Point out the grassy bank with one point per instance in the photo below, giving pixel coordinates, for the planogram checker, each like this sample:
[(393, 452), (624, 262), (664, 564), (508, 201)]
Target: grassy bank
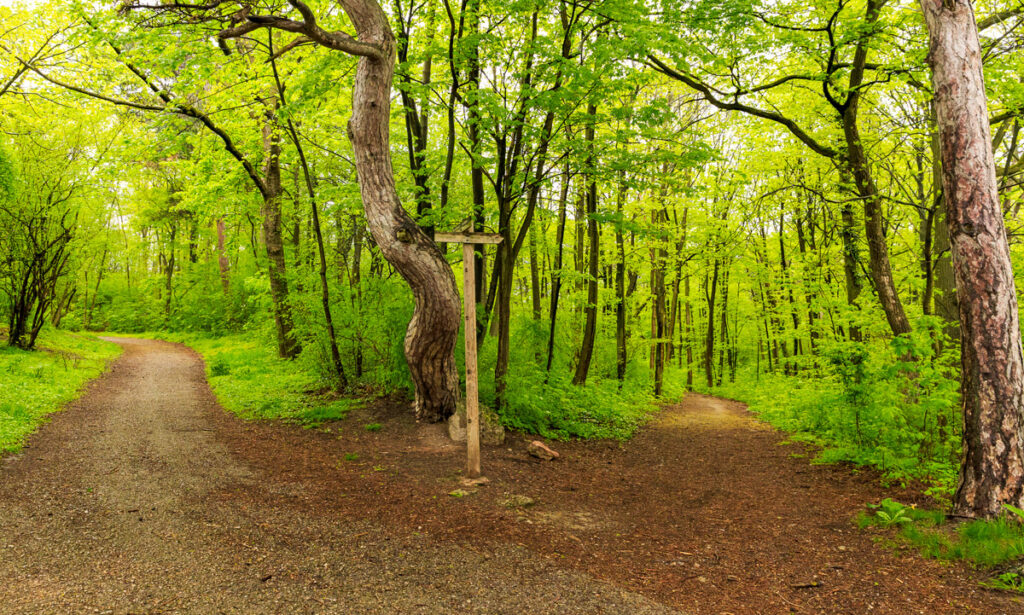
[(996, 545), (34, 384), (251, 382)]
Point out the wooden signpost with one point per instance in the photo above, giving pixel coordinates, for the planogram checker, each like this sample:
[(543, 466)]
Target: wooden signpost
[(468, 240)]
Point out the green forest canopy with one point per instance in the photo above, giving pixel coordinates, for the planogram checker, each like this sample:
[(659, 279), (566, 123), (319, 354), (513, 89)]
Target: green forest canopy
[(679, 193)]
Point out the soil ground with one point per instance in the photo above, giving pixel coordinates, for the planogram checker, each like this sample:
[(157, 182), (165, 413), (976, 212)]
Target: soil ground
[(145, 496)]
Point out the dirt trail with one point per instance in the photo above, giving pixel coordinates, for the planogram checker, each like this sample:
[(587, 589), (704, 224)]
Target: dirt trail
[(123, 505), (146, 497)]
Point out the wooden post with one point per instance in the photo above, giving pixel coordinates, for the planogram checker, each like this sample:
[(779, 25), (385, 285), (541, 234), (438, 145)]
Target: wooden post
[(472, 390), (469, 291)]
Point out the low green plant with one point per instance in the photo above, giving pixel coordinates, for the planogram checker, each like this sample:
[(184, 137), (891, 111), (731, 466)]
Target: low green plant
[(890, 513), (373, 427), (34, 384), (988, 544), (889, 405), (251, 381), (1012, 581)]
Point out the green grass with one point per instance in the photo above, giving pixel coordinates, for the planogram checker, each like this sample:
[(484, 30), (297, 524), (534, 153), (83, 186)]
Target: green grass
[(251, 382), (988, 544), (34, 384)]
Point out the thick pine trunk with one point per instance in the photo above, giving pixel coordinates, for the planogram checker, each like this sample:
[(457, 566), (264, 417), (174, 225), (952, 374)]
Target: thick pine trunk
[(992, 388), (433, 330)]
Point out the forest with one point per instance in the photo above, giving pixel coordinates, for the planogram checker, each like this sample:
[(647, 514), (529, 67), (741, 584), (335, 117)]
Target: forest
[(805, 206)]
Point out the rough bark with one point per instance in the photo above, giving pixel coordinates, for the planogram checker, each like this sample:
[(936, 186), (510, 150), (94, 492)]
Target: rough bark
[(432, 332), (992, 386), (287, 346)]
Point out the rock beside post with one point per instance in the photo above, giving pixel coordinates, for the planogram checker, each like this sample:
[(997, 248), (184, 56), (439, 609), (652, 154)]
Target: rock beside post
[(492, 432)]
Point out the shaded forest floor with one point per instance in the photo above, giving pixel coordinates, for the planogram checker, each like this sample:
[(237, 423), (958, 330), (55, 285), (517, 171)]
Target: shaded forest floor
[(145, 496)]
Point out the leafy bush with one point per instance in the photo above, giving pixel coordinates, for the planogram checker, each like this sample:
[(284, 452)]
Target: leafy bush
[(891, 406)]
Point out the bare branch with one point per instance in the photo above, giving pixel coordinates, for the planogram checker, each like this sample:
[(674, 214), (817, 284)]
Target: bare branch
[(704, 89)]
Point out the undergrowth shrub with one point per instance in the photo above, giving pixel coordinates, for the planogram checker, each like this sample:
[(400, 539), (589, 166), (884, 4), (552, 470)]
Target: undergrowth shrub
[(988, 544), (893, 406)]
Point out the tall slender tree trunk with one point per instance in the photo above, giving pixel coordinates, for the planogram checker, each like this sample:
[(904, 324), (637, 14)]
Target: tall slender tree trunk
[(878, 249), (534, 275), (556, 268), (223, 264), (169, 271), (620, 287), (590, 326), (687, 335), (945, 282), (992, 389), (287, 345), (851, 260), (710, 290), (356, 284)]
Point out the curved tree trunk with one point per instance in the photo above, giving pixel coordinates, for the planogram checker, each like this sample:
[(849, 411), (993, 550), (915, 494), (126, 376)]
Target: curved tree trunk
[(992, 386), (433, 330)]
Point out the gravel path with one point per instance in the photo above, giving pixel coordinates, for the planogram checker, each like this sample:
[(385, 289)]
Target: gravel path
[(117, 506)]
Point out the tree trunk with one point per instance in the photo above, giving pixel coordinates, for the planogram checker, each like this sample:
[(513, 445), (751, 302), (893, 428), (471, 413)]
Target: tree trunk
[(878, 249), (556, 268), (710, 288), (688, 332), (169, 272), (287, 345), (356, 284), (325, 295), (590, 326), (945, 282), (223, 264), (534, 275), (992, 387), (433, 330), (620, 287)]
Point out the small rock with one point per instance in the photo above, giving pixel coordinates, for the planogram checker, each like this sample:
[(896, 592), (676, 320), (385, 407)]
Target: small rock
[(460, 493), (517, 501), (541, 451), (475, 482)]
